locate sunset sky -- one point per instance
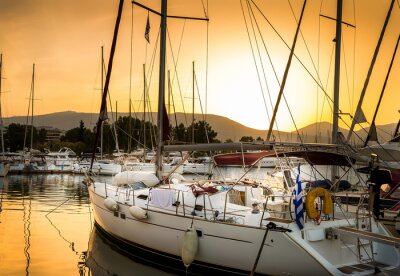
(64, 38)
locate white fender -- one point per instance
(111, 204)
(137, 212)
(190, 246)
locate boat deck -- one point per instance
(370, 268)
(370, 236)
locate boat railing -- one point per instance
(286, 201)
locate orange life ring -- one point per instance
(325, 196)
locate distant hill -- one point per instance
(225, 127)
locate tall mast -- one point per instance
(103, 108)
(161, 88)
(33, 95)
(335, 123)
(336, 84)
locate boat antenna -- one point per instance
(103, 109)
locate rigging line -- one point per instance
(207, 48)
(173, 105)
(354, 56)
(318, 60)
(175, 63)
(312, 61)
(286, 73)
(130, 79)
(279, 81)
(148, 103)
(267, 52)
(27, 116)
(255, 61)
(201, 108)
(371, 67)
(204, 9)
(298, 59)
(112, 115)
(132, 137)
(383, 88)
(305, 44)
(326, 85)
(345, 68)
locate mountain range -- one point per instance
(225, 127)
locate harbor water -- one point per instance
(46, 228)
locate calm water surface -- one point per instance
(46, 228)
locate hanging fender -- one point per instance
(190, 246)
(325, 196)
(111, 204)
(137, 212)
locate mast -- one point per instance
(1, 116)
(358, 110)
(161, 88)
(169, 92)
(102, 82)
(33, 95)
(193, 107)
(115, 127)
(144, 112)
(381, 95)
(336, 85)
(103, 108)
(285, 74)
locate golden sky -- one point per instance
(64, 37)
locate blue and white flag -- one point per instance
(147, 31)
(298, 201)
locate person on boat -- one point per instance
(378, 178)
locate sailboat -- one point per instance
(193, 227)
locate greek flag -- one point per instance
(147, 31)
(298, 201)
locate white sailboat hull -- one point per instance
(227, 246)
(98, 168)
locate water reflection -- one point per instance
(45, 223)
(105, 258)
(46, 228)
(27, 224)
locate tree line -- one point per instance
(130, 133)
